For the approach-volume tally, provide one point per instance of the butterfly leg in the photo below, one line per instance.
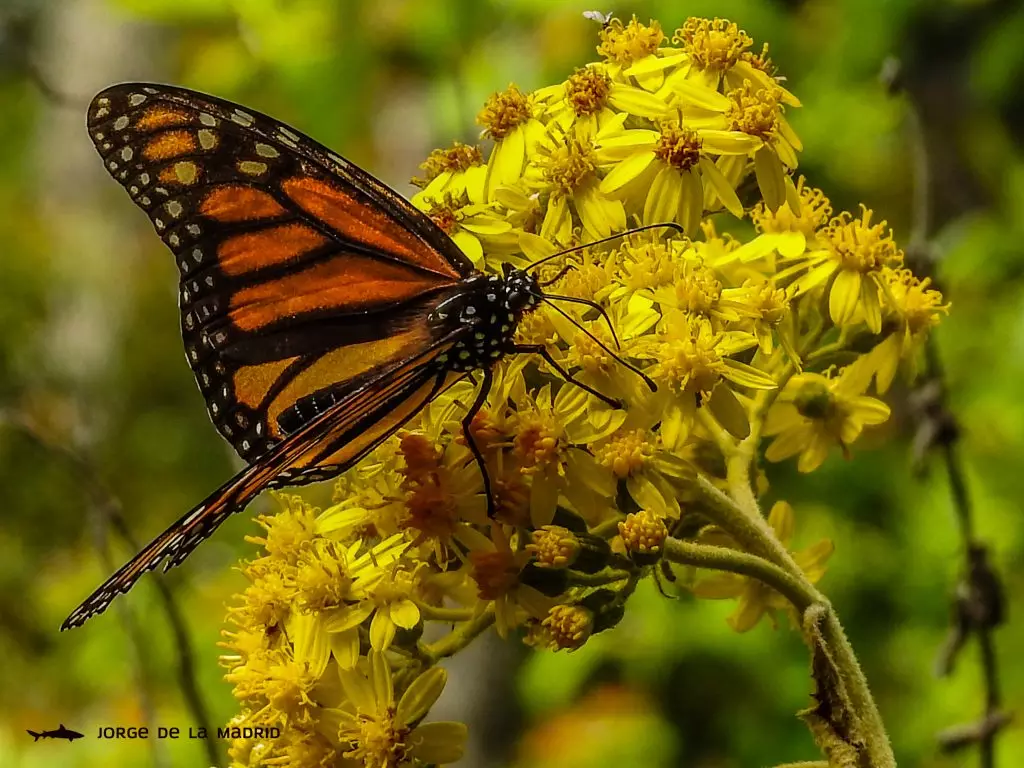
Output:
(543, 351)
(478, 456)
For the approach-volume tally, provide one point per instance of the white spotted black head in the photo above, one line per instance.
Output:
(483, 315)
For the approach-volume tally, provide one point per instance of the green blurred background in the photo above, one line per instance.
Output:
(90, 356)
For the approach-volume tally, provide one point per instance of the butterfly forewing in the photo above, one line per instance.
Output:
(299, 271)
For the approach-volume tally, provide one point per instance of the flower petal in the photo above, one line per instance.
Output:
(439, 743)
(420, 696)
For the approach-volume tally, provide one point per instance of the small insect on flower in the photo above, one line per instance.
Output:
(320, 310)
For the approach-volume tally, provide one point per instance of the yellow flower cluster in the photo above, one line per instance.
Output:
(708, 340)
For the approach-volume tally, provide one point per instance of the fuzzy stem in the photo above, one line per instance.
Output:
(743, 563)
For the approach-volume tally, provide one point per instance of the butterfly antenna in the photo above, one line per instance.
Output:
(587, 303)
(647, 379)
(667, 225)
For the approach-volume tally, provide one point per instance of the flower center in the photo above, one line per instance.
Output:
(495, 573)
(587, 90)
(678, 146)
(919, 304)
(505, 111)
(568, 164)
(626, 44)
(589, 354)
(568, 626)
(860, 246)
(692, 364)
(712, 43)
(380, 742)
(458, 157)
(815, 401)
(815, 211)
(755, 112)
(431, 509)
(537, 444)
(697, 289)
(625, 453)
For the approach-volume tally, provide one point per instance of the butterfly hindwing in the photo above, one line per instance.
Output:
(299, 271)
(338, 437)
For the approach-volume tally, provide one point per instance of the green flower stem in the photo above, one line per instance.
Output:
(607, 528)
(795, 590)
(435, 613)
(602, 577)
(457, 639)
(742, 519)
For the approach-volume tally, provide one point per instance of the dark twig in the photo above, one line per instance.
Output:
(109, 510)
(979, 605)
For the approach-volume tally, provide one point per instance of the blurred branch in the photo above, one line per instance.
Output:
(979, 605)
(109, 513)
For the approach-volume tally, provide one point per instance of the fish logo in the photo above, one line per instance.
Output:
(58, 733)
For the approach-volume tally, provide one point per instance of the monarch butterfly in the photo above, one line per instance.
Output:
(320, 310)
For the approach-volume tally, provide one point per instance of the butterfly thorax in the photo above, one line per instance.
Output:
(482, 315)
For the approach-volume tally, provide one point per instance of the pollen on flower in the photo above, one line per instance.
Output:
(691, 363)
(380, 740)
(919, 304)
(457, 157)
(643, 532)
(697, 289)
(568, 164)
(505, 111)
(422, 457)
(446, 212)
(321, 579)
(289, 532)
(586, 90)
(760, 60)
(769, 302)
(485, 431)
(677, 146)
(625, 453)
(715, 44)
(536, 443)
(589, 355)
(568, 626)
(431, 508)
(554, 546)
(627, 43)
(815, 212)
(496, 573)
(647, 263)
(861, 246)
(755, 110)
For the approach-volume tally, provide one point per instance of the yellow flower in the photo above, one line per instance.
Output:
(790, 230)
(591, 96)
(815, 412)
(458, 170)
(851, 269)
(917, 309)
(664, 173)
(509, 118)
(549, 435)
(756, 599)
(470, 225)
(694, 367)
(373, 730)
(565, 168)
(496, 565)
(757, 111)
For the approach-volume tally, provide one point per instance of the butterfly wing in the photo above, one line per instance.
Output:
(301, 274)
(341, 435)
